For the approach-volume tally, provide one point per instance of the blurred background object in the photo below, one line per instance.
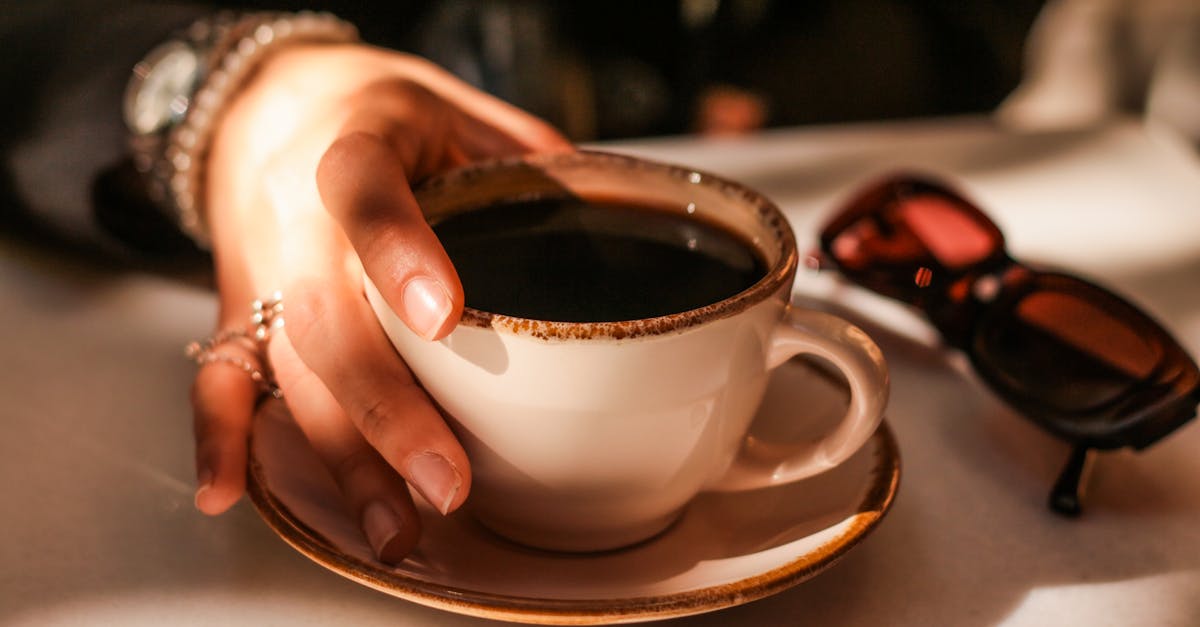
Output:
(1090, 60)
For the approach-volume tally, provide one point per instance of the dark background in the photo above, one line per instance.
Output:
(597, 70)
(622, 68)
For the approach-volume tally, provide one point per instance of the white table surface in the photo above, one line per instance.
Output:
(98, 528)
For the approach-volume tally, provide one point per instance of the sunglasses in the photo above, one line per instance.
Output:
(1073, 357)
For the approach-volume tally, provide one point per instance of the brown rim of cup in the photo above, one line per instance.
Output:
(777, 277)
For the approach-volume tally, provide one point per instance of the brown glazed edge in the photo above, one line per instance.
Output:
(777, 278)
(885, 481)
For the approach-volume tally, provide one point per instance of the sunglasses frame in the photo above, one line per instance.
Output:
(963, 303)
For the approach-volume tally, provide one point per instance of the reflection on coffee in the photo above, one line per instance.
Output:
(571, 260)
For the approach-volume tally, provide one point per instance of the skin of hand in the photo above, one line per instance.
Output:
(308, 186)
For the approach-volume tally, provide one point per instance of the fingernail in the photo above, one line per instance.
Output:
(426, 306)
(436, 479)
(204, 480)
(382, 525)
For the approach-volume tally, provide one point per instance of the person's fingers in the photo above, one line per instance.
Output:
(332, 327)
(478, 139)
(374, 494)
(429, 134)
(223, 399)
(526, 130)
(402, 130)
(334, 332)
(363, 183)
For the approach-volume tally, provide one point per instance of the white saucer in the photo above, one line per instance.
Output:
(727, 549)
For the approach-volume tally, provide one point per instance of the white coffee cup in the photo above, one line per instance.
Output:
(593, 436)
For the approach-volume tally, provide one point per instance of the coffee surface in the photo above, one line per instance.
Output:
(571, 260)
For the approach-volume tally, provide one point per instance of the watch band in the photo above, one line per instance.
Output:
(229, 46)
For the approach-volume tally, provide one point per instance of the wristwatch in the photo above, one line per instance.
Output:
(178, 90)
(162, 87)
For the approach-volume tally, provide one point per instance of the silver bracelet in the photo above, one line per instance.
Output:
(178, 92)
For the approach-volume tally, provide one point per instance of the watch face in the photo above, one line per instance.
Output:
(158, 94)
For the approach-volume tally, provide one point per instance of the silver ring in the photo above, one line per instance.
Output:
(265, 319)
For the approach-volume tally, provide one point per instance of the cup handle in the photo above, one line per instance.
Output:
(803, 331)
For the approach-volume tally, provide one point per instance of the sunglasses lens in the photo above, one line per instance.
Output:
(903, 227)
(1067, 345)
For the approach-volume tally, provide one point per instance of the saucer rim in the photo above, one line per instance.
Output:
(884, 483)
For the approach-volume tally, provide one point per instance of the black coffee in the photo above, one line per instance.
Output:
(571, 260)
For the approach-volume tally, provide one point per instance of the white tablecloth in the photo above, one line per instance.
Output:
(98, 528)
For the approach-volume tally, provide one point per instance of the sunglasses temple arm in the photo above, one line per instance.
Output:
(1066, 497)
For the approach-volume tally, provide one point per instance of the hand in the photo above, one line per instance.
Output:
(308, 185)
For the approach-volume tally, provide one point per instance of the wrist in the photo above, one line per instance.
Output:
(179, 94)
